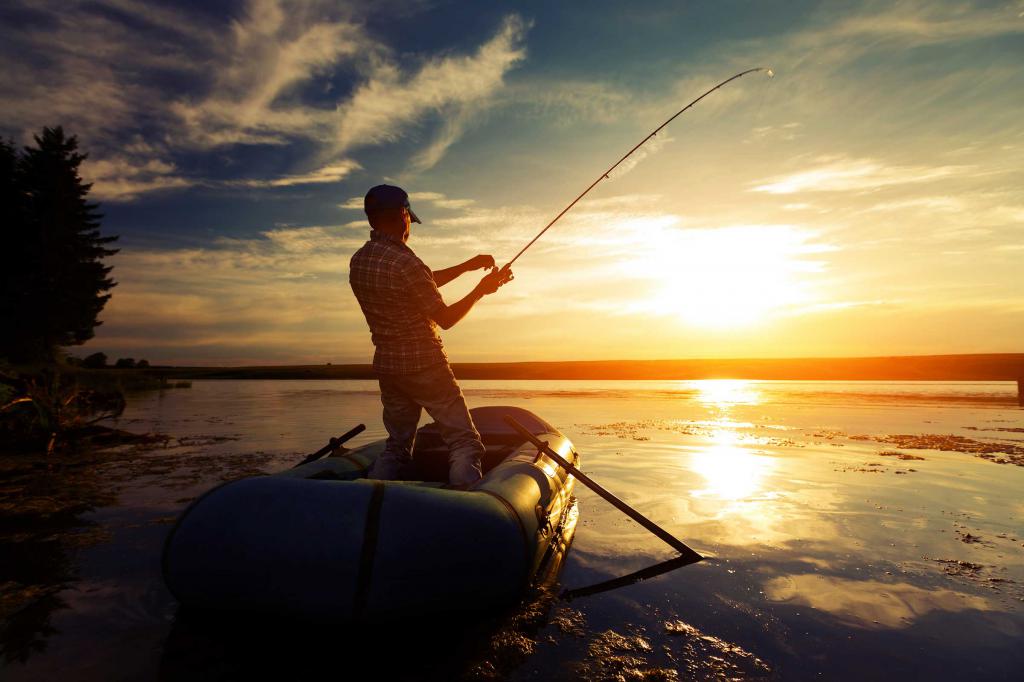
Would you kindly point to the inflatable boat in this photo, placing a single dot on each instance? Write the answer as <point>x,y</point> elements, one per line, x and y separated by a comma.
<point>323,542</point>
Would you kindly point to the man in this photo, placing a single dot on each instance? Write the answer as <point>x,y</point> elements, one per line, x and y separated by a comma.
<point>403,308</point>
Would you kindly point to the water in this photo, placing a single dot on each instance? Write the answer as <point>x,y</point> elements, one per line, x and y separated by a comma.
<point>827,558</point>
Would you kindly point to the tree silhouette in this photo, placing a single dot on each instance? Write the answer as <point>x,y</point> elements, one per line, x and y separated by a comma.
<point>54,281</point>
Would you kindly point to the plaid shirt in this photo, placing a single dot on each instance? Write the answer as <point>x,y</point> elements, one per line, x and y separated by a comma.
<point>398,296</point>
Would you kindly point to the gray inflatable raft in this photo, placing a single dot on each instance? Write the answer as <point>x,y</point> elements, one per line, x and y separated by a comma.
<point>323,542</point>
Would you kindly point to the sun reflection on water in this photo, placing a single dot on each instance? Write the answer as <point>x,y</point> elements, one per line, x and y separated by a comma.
<point>724,393</point>
<point>730,471</point>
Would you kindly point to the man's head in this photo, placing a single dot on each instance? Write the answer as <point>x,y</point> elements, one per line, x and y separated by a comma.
<point>388,210</point>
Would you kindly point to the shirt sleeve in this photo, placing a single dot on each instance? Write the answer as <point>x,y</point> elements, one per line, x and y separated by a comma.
<point>421,288</point>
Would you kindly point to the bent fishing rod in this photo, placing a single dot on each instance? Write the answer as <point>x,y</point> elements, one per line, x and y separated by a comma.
<point>604,176</point>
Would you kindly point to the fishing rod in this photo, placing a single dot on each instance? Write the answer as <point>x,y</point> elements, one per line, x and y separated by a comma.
<point>604,176</point>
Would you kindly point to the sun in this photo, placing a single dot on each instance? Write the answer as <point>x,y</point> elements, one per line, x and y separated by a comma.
<point>732,276</point>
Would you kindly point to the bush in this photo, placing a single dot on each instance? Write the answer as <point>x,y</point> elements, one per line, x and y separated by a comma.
<point>95,361</point>
<point>125,363</point>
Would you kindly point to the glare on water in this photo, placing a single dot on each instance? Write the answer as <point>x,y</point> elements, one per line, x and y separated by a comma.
<point>730,471</point>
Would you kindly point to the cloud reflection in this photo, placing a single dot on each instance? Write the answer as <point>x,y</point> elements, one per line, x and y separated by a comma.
<point>868,603</point>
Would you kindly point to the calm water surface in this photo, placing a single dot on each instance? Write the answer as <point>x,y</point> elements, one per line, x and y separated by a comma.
<point>854,530</point>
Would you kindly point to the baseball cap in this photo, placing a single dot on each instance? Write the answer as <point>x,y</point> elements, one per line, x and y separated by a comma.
<point>383,197</point>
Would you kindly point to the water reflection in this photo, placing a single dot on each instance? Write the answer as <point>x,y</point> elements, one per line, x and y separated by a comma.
<point>869,604</point>
<point>775,512</point>
<point>633,578</point>
<point>731,472</point>
<point>724,393</point>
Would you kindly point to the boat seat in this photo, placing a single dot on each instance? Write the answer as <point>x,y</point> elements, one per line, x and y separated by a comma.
<point>430,453</point>
<point>431,464</point>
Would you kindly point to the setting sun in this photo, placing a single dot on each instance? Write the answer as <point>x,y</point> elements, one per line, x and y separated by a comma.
<point>732,276</point>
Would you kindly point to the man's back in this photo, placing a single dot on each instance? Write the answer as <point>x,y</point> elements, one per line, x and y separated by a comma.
<point>397,294</point>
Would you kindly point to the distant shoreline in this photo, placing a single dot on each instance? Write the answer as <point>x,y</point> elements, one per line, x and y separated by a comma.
<point>978,367</point>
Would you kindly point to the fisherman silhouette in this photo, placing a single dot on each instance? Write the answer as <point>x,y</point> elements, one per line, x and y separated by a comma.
<point>399,297</point>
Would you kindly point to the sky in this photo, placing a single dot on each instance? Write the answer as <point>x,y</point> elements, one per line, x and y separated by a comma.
<point>867,200</point>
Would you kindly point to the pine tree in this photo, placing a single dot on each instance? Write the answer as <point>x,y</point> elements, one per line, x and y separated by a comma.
<point>54,281</point>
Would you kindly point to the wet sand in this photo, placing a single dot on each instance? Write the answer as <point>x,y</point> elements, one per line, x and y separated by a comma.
<point>854,530</point>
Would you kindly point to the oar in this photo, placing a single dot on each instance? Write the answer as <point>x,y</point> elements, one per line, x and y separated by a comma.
<point>542,446</point>
<point>333,444</point>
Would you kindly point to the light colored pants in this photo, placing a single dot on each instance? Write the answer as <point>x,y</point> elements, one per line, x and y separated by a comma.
<point>435,390</point>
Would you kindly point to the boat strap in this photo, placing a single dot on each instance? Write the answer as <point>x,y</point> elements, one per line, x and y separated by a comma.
<point>369,551</point>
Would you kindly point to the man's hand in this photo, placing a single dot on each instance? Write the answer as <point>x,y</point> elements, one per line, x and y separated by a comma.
<point>442,277</point>
<point>494,280</point>
<point>448,315</point>
<point>479,262</point>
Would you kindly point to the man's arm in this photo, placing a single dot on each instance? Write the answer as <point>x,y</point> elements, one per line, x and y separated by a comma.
<point>442,277</point>
<point>447,316</point>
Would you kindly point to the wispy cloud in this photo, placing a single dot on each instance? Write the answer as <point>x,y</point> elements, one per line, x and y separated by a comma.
<point>266,78</point>
<point>390,101</point>
<point>332,173</point>
<point>270,52</point>
<point>124,177</point>
<point>853,175</point>
<point>923,22</point>
<point>416,198</point>
<point>652,146</point>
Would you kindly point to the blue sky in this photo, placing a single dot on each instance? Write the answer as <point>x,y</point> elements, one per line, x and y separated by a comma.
<point>865,201</point>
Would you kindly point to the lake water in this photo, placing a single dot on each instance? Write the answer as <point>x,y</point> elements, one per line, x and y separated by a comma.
<point>853,531</point>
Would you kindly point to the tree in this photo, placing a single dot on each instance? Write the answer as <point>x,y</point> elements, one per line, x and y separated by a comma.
<point>142,364</point>
<point>125,363</point>
<point>95,361</point>
<point>54,281</point>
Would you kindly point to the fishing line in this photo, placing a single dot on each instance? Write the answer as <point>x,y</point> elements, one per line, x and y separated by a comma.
<point>604,176</point>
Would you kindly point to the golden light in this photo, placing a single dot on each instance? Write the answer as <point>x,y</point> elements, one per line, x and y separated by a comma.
<point>724,393</point>
<point>729,277</point>
<point>731,472</point>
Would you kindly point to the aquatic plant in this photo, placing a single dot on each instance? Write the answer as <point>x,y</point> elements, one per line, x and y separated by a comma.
<point>48,409</point>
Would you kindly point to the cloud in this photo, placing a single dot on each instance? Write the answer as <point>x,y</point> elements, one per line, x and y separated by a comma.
<point>869,604</point>
<point>440,200</point>
<point>455,87</point>
<point>124,177</point>
<point>920,23</point>
<point>86,66</point>
<point>838,35</point>
<point>270,52</point>
<point>265,78</point>
<point>936,204</point>
<point>652,146</point>
<point>452,128</point>
<point>853,175</point>
<point>332,173</point>
<point>566,101</point>
<point>416,198</point>
<point>279,286</point>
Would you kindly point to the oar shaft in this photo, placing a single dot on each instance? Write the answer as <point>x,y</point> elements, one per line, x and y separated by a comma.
<point>654,528</point>
<point>334,443</point>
